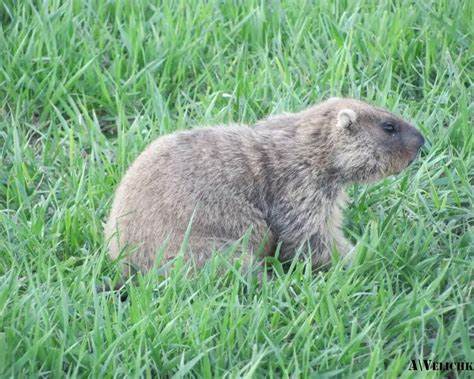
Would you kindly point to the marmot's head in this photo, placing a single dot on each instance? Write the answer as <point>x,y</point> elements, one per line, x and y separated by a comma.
<point>369,142</point>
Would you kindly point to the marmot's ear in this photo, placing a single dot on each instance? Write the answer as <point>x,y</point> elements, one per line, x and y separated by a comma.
<point>345,118</point>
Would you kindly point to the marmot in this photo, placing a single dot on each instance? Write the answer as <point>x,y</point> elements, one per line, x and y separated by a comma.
<point>282,178</point>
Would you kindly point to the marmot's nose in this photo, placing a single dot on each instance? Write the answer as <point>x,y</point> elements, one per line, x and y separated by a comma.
<point>420,139</point>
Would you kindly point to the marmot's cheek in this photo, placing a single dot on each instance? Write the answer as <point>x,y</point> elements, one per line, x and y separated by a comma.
<point>391,164</point>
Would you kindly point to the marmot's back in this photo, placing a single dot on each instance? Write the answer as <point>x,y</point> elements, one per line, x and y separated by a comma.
<point>209,172</point>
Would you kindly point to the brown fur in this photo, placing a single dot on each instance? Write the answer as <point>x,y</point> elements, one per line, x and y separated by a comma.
<point>283,179</point>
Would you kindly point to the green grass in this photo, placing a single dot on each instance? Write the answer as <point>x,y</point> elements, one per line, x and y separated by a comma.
<point>86,85</point>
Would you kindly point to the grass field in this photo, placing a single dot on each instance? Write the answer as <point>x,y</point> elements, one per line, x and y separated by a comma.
<point>86,85</point>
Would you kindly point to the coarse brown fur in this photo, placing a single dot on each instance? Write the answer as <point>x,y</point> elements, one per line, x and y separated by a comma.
<point>281,180</point>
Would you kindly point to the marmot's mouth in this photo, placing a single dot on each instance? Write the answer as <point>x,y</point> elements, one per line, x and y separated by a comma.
<point>414,158</point>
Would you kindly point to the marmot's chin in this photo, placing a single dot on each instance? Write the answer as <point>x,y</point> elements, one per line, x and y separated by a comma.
<point>413,159</point>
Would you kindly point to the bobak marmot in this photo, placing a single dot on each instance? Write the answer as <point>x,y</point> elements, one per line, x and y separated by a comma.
<point>281,181</point>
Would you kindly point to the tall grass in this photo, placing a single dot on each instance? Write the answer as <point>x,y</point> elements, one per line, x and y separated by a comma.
<point>85,85</point>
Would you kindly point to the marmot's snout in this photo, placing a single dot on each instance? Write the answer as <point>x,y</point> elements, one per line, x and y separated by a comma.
<point>414,141</point>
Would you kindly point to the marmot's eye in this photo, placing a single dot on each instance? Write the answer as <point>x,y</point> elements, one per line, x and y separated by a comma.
<point>388,127</point>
